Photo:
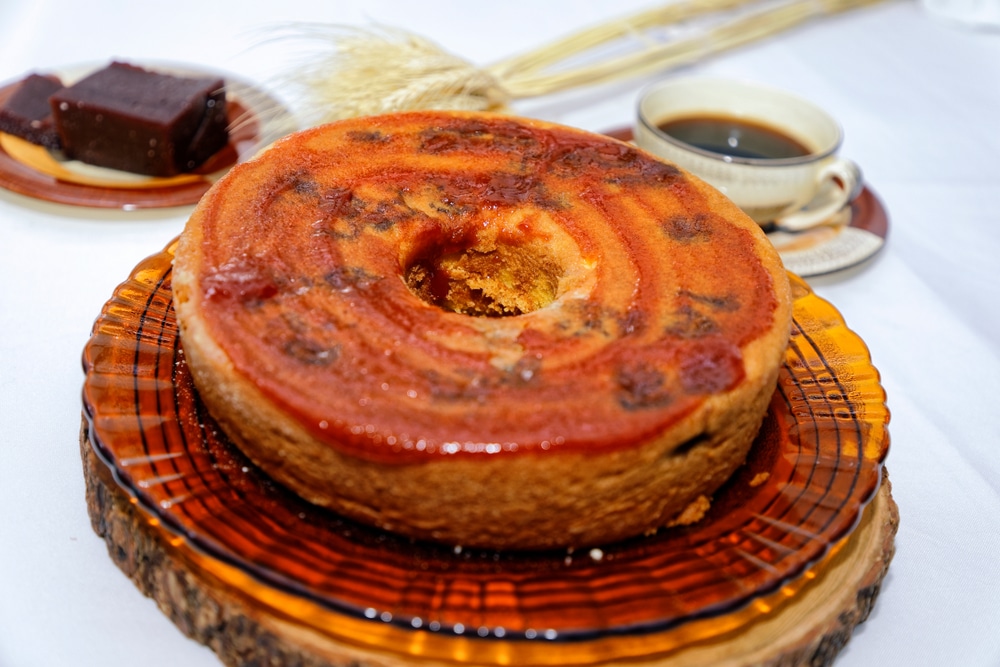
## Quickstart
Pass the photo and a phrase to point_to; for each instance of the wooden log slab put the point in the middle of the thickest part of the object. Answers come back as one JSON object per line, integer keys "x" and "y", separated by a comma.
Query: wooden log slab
{"x": 809, "y": 628}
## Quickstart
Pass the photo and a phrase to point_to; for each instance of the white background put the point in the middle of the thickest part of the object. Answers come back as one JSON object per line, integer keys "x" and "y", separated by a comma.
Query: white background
{"x": 920, "y": 103}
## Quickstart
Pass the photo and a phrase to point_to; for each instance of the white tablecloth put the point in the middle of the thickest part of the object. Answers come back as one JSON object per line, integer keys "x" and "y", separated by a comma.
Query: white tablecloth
{"x": 920, "y": 102}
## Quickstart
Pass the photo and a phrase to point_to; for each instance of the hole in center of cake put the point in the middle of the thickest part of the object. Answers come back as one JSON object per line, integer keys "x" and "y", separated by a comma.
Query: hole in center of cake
{"x": 488, "y": 279}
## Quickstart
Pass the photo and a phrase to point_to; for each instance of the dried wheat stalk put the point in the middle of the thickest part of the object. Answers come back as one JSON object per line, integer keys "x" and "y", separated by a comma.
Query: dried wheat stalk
{"x": 368, "y": 71}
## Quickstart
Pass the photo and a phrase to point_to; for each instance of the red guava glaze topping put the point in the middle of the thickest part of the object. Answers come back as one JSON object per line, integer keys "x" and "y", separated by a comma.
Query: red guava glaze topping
{"x": 711, "y": 365}
{"x": 490, "y": 189}
{"x": 240, "y": 280}
{"x": 303, "y": 287}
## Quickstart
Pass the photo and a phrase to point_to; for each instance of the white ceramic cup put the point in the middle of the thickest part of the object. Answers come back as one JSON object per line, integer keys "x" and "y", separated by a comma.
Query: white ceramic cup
{"x": 793, "y": 193}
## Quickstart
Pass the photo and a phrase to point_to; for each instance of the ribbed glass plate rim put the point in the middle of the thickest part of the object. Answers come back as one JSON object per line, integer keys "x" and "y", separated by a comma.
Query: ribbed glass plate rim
{"x": 822, "y": 349}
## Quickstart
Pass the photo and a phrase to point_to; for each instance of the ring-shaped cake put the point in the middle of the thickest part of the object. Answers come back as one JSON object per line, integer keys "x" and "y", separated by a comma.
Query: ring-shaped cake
{"x": 482, "y": 330}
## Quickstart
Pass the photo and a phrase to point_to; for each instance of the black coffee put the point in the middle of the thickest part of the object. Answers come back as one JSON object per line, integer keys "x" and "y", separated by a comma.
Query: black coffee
{"x": 734, "y": 136}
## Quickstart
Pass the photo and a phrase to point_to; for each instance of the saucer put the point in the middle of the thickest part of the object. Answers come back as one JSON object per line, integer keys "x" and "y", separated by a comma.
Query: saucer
{"x": 853, "y": 235}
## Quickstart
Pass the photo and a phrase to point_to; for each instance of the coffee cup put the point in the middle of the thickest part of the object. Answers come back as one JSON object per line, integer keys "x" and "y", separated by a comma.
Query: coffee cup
{"x": 773, "y": 153}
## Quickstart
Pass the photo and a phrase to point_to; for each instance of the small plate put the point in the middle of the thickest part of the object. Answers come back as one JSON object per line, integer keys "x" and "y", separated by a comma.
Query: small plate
{"x": 850, "y": 237}
{"x": 816, "y": 463}
{"x": 255, "y": 119}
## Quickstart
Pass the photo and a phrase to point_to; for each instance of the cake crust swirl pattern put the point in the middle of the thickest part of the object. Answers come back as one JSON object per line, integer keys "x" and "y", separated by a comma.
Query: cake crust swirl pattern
{"x": 482, "y": 330}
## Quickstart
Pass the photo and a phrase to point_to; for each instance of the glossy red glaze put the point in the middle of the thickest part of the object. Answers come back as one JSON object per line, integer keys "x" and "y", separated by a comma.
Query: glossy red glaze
{"x": 304, "y": 252}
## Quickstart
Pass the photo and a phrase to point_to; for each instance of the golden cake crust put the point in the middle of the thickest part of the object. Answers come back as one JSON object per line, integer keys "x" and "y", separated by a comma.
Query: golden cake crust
{"x": 481, "y": 330}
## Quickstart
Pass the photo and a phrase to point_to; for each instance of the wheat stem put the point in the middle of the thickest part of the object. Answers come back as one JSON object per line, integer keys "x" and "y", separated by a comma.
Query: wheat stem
{"x": 521, "y": 82}
{"x": 378, "y": 70}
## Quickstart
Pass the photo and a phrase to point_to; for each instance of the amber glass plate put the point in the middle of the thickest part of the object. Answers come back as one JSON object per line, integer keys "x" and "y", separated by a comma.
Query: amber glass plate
{"x": 255, "y": 119}
{"x": 816, "y": 463}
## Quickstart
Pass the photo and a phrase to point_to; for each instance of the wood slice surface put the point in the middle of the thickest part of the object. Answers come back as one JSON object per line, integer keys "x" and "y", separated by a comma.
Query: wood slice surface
{"x": 809, "y": 628}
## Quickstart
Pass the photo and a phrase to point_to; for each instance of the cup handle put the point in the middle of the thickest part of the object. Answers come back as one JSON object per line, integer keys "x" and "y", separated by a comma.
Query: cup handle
{"x": 839, "y": 183}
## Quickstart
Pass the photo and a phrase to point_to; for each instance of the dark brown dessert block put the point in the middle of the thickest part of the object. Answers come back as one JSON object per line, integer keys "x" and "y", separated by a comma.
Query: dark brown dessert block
{"x": 129, "y": 118}
{"x": 26, "y": 113}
